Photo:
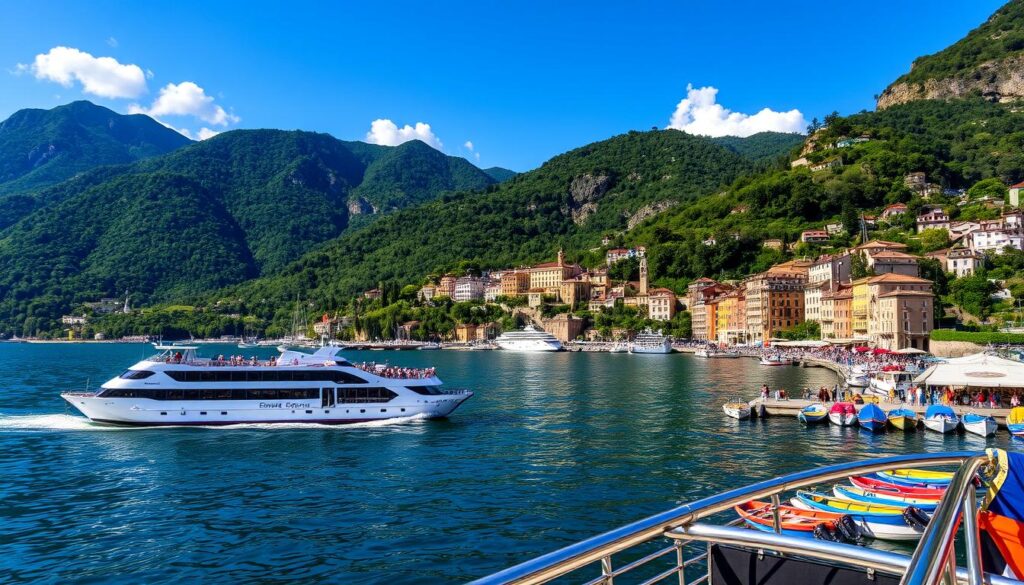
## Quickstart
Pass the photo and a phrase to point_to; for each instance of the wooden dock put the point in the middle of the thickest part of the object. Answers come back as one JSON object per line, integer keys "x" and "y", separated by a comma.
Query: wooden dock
{"x": 791, "y": 407}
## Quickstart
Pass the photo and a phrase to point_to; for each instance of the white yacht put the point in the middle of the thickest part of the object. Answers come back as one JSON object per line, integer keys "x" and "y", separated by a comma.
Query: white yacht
{"x": 176, "y": 387}
{"x": 529, "y": 339}
{"x": 650, "y": 342}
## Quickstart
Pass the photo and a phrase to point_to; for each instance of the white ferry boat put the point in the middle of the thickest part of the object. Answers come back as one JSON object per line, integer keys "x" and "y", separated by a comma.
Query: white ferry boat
{"x": 178, "y": 388}
{"x": 881, "y": 382}
{"x": 529, "y": 339}
{"x": 650, "y": 342}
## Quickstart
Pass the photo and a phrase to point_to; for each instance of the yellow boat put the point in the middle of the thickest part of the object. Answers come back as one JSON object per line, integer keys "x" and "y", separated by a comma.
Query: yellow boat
{"x": 1015, "y": 421}
{"x": 918, "y": 475}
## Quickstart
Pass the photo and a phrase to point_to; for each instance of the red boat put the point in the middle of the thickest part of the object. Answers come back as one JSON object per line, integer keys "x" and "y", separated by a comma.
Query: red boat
{"x": 798, "y": 522}
{"x": 880, "y": 487}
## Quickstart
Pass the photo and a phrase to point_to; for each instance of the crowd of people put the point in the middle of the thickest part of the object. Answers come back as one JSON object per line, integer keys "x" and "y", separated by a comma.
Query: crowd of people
{"x": 387, "y": 371}
{"x": 869, "y": 361}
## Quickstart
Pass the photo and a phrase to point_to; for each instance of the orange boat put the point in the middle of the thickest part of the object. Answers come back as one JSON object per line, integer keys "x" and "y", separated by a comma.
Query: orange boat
{"x": 798, "y": 522}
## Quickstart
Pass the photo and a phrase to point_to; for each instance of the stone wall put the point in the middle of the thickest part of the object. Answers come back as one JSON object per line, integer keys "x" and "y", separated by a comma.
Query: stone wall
{"x": 953, "y": 349}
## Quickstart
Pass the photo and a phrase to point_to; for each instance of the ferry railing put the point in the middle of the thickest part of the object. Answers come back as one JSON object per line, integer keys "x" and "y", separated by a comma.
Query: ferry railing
{"x": 678, "y": 524}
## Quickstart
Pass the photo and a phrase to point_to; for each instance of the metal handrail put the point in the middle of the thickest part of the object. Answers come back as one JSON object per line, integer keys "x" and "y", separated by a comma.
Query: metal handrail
{"x": 932, "y": 554}
{"x": 884, "y": 561}
{"x": 555, "y": 564}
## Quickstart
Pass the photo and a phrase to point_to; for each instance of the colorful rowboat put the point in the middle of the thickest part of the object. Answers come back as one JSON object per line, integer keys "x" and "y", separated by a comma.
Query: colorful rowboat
{"x": 856, "y": 494}
{"x": 872, "y": 418}
{"x": 878, "y": 486}
{"x": 940, "y": 418}
{"x": 843, "y": 414}
{"x": 813, "y": 413}
{"x": 795, "y": 521}
{"x": 1015, "y": 422}
{"x": 979, "y": 424}
{"x": 903, "y": 419}
{"x": 917, "y": 476}
{"x": 881, "y": 522}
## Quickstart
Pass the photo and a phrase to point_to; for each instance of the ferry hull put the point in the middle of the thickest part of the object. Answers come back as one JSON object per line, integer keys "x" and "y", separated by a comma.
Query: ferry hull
{"x": 146, "y": 412}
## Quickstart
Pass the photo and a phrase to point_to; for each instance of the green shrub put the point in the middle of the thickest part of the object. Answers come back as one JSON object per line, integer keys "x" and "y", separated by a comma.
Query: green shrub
{"x": 979, "y": 337}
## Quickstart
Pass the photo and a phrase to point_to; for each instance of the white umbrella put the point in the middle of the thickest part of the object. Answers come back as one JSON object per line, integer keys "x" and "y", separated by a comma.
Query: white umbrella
{"x": 910, "y": 350}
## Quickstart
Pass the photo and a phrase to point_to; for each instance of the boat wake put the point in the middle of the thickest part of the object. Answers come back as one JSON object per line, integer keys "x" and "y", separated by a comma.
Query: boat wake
{"x": 68, "y": 422}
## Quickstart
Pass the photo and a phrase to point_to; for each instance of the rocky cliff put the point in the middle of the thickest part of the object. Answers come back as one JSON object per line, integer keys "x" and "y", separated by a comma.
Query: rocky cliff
{"x": 1001, "y": 81}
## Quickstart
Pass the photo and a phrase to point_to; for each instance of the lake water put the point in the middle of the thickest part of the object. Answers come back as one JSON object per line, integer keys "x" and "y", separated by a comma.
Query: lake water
{"x": 552, "y": 449}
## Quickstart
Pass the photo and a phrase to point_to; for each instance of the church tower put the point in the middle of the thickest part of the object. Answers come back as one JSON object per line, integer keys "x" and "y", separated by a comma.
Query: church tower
{"x": 643, "y": 276}
{"x": 561, "y": 257}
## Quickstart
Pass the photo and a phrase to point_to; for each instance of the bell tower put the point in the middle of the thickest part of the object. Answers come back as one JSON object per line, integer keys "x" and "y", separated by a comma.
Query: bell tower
{"x": 643, "y": 276}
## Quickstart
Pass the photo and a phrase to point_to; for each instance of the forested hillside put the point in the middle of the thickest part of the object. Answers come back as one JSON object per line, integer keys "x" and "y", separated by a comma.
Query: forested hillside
{"x": 987, "y": 62}
{"x": 570, "y": 201}
{"x": 40, "y": 148}
{"x": 239, "y": 205}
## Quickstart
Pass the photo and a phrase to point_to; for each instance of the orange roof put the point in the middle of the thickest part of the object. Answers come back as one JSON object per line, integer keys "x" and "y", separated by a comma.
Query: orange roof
{"x": 907, "y": 293}
{"x": 1017, "y": 186}
{"x": 892, "y": 278}
{"x": 892, "y": 254}
{"x": 660, "y": 292}
{"x": 881, "y": 244}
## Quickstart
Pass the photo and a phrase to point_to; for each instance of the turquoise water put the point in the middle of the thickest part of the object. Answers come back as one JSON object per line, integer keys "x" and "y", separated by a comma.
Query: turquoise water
{"x": 553, "y": 448}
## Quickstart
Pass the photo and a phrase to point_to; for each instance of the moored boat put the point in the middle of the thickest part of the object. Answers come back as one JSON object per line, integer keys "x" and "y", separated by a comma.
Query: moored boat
{"x": 857, "y": 377}
{"x": 879, "y": 486}
{"x": 774, "y": 360}
{"x": 856, "y": 494}
{"x": 529, "y": 339}
{"x": 875, "y": 521}
{"x": 1015, "y": 422}
{"x": 737, "y": 409}
{"x": 798, "y": 521}
{"x": 917, "y": 477}
{"x": 940, "y": 418}
{"x": 650, "y": 342}
{"x": 979, "y": 424}
{"x": 872, "y": 418}
{"x": 903, "y": 419}
{"x": 812, "y": 413}
{"x": 843, "y": 414}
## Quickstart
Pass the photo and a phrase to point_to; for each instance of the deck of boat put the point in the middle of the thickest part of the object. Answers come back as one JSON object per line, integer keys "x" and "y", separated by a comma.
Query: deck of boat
{"x": 791, "y": 407}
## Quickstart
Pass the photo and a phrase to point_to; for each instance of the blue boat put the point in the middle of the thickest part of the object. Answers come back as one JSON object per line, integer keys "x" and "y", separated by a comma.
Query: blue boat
{"x": 903, "y": 419}
{"x": 812, "y": 413}
{"x": 854, "y": 494}
{"x": 872, "y": 418}
{"x": 874, "y": 520}
{"x": 1015, "y": 422}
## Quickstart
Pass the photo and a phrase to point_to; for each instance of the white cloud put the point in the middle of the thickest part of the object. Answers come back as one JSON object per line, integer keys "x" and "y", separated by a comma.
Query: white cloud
{"x": 186, "y": 99}
{"x": 387, "y": 133}
{"x": 205, "y": 133}
{"x": 468, "y": 145}
{"x": 101, "y": 76}
{"x": 698, "y": 113}
{"x": 112, "y": 42}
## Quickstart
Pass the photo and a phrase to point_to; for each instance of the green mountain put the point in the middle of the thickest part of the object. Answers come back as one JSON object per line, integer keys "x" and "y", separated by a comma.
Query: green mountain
{"x": 412, "y": 173}
{"x": 986, "y": 62}
{"x": 499, "y": 174}
{"x": 570, "y": 201}
{"x": 240, "y": 205}
{"x": 762, "y": 147}
{"x": 39, "y": 148}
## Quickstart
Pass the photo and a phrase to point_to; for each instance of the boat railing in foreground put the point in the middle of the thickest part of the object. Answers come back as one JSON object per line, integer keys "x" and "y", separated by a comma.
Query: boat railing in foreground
{"x": 933, "y": 561}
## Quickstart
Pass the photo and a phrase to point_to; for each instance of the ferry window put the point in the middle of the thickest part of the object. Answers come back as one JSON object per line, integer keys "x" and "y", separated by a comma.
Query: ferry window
{"x": 175, "y": 394}
{"x": 425, "y": 390}
{"x": 209, "y": 394}
{"x": 136, "y": 374}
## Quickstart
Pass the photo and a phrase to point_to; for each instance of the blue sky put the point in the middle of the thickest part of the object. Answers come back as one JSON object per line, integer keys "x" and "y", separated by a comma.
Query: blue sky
{"x": 520, "y": 81}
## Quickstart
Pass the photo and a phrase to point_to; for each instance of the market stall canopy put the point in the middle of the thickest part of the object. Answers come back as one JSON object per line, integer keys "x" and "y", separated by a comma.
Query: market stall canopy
{"x": 910, "y": 350}
{"x": 977, "y": 371}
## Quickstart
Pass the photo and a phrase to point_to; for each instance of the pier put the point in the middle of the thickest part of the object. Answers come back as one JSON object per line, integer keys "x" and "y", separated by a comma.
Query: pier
{"x": 791, "y": 407}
